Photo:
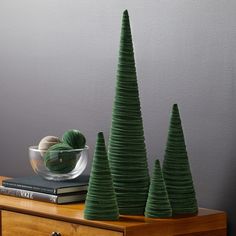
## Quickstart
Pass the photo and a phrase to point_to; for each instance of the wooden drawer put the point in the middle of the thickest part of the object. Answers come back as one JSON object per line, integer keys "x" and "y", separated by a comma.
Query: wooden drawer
{"x": 26, "y": 225}
{"x": 220, "y": 232}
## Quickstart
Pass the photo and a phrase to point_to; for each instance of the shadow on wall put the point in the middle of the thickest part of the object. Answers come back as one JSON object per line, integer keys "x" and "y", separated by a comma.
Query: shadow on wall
{"x": 228, "y": 202}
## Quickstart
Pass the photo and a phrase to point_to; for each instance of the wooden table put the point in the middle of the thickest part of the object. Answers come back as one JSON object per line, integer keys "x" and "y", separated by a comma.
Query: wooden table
{"x": 29, "y": 217}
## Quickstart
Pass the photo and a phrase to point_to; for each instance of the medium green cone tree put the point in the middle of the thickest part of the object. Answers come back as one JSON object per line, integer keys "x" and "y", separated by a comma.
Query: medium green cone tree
{"x": 127, "y": 150}
{"x": 158, "y": 204}
{"x": 101, "y": 203}
{"x": 176, "y": 169}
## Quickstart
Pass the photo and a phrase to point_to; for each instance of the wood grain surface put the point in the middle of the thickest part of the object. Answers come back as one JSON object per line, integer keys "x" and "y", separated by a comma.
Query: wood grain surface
{"x": 21, "y": 224}
{"x": 220, "y": 232}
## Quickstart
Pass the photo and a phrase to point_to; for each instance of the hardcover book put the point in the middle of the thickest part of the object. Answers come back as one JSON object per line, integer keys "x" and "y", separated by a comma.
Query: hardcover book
{"x": 58, "y": 199}
{"x": 36, "y": 183}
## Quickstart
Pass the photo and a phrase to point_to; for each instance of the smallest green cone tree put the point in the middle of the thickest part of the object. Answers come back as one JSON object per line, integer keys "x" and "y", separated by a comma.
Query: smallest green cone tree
{"x": 101, "y": 202}
{"x": 158, "y": 204}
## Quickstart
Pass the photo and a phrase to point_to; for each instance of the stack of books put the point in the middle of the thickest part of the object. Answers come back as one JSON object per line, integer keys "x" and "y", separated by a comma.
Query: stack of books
{"x": 37, "y": 188}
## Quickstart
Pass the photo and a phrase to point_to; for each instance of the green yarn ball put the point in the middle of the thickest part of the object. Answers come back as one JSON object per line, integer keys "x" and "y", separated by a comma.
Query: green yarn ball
{"x": 60, "y": 158}
{"x": 74, "y": 138}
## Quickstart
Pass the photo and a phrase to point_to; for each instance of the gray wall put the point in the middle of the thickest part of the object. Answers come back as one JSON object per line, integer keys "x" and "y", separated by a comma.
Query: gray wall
{"x": 57, "y": 71}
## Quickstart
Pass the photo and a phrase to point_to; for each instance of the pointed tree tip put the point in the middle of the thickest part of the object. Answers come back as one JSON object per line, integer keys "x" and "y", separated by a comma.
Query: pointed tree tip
{"x": 157, "y": 162}
{"x": 100, "y": 135}
{"x": 157, "y": 165}
{"x": 175, "y": 105}
{"x": 126, "y": 13}
{"x": 175, "y": 108}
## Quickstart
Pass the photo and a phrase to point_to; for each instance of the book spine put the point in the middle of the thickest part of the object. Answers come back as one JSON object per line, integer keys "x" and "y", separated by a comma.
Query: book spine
{"x": 28, "y": 194}
{"x": 29, "y": 187}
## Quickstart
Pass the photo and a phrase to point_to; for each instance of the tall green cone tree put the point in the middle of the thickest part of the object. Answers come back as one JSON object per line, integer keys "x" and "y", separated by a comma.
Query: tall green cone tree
{"x": 101, "y": 203}
{"x": 127, "y": 150}
{"x": 158, "y": 204}
{"x": 176, "y": 169}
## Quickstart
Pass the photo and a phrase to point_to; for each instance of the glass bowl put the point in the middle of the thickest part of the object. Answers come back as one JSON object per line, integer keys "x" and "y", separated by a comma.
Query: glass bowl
{"x": 58, "y": 165}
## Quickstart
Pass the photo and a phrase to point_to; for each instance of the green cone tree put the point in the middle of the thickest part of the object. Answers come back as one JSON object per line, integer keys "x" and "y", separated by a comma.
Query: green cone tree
{"x": 101, "y": 203}
{"x": 158, "y": 204}
{"x": 176, "y": 169}
{"x": 127, "y": 150}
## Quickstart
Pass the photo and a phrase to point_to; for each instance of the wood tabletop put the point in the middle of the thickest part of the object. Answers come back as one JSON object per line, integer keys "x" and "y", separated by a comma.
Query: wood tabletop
{"x": 74, "y": 213}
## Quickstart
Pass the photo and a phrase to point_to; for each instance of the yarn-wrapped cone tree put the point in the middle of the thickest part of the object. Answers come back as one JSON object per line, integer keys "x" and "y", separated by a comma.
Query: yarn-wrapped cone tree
{"x": 158, "y": 204}
{"x": 101, "y": 203}
{"x": 176, "y": 169}
{"x": 127, "y": 149}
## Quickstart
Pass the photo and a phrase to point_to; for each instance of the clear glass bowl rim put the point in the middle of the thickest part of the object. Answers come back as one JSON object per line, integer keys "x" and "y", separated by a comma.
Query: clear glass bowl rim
{"x": 35, "y": 149}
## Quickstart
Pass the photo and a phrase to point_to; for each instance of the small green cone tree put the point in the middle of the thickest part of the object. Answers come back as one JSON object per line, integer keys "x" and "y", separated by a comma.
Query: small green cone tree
{"x": 158, "y": 204}
{"x": 127, "y": 150}
{"x": 101, "y": 203}
{"x": 176, "y": 169}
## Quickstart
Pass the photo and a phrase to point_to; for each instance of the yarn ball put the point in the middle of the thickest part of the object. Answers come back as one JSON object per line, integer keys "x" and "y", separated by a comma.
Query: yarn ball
{"x": 60, "y": 158}
{"x": 46, "y": 142}
{"x": 74, "y": 138}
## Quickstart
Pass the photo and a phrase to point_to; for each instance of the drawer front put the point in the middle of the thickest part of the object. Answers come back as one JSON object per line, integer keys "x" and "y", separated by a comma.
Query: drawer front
{"x": 26, "y": 225}
{"x": 220, "y": 232}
